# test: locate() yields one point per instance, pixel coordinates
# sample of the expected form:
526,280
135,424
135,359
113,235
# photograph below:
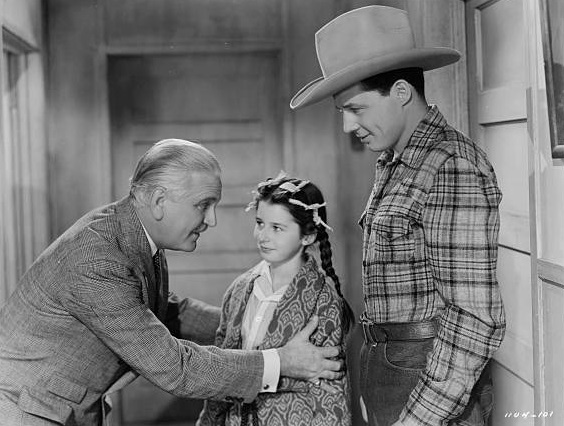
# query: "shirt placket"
384,168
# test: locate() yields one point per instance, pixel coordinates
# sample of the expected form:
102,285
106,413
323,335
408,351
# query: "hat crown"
366,42
360,35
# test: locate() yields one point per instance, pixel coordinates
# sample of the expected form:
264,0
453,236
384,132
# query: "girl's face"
278,236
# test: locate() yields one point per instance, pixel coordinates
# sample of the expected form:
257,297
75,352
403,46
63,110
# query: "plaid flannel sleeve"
461,223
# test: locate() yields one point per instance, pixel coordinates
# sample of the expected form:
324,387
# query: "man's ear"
402,90
309,239
156,203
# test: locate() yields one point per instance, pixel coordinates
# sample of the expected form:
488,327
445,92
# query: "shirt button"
265,387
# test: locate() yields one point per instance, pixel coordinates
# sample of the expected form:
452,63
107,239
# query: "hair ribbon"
315,207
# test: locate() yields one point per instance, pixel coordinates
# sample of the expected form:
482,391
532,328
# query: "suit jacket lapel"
135,244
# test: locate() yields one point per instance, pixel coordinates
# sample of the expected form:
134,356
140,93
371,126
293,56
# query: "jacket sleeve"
192,319
105,294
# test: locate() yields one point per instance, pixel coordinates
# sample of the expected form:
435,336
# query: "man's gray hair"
169,164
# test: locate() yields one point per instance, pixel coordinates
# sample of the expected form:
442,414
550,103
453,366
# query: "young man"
433,315
94,310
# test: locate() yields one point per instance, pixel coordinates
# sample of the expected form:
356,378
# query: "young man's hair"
382,83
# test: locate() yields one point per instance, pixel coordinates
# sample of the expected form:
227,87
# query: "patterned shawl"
297,402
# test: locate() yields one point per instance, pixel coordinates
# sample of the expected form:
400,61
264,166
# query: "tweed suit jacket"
296,402
83,316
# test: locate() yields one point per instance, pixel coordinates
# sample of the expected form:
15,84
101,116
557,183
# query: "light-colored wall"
547,181
313,150
24,174
77,123
24,17
530,391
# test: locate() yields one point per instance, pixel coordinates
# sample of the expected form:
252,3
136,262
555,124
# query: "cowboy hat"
365,42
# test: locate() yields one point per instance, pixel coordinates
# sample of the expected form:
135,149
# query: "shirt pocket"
393,239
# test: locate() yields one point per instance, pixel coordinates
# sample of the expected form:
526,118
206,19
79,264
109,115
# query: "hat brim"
425,58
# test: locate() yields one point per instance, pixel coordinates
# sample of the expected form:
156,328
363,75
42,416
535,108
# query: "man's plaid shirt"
430,250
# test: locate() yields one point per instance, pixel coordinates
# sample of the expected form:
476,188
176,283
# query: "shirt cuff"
271,373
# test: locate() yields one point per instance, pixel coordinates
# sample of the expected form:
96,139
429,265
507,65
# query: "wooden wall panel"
77,126
24,17
173,22
440,23
553,320
515,353
503,141
24,215
498,121
547,181
516,399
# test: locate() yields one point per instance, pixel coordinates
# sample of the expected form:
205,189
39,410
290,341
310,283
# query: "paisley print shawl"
297,402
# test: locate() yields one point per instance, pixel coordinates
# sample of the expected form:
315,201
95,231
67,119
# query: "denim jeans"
389,372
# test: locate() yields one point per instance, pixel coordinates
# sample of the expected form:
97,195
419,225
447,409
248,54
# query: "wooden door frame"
541,270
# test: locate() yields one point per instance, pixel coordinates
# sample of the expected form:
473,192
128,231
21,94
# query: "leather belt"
398,331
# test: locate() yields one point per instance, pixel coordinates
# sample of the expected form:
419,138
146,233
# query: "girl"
266,306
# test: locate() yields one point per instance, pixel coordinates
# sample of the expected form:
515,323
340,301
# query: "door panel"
498,121
227,102
505,142
498,113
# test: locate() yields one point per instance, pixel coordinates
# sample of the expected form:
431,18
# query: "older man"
94,309
433,314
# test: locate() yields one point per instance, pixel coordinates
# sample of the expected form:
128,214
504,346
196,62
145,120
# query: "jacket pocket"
66,389
42,405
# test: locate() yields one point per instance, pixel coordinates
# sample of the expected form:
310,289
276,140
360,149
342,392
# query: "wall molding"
548,270
196,46
521,367
14,43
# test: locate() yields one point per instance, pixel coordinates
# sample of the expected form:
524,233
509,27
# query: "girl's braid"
326,255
